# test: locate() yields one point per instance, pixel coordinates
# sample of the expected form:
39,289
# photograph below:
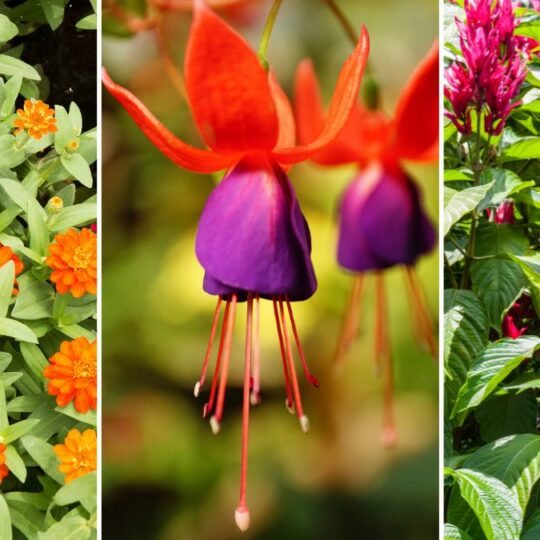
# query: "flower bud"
54,205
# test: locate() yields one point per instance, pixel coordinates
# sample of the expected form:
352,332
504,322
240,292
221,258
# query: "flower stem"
342,18
267,32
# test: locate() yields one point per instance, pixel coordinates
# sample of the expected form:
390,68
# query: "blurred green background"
165,476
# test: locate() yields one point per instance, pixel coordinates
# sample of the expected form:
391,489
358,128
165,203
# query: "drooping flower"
4,471
72,374
519,318
73,259
78,454
6,255
253,240
504,213
36,118
381,219
489,77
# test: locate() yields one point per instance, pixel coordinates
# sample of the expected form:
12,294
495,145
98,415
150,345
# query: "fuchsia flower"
489,77
253,240
504,213
382,221
517,320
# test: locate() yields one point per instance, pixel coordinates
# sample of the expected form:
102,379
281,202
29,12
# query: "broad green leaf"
76,491
43,454
15,464
77,166
525,148
54,12
493,503
10,154
89,418
21,196
507,414
497,282
17,330
70,528
5,520
34,359
491,367
88,23
14,66
461,203
8,31
530,265
466,330
7,278
451,532
17,430
499,239
72,216
25,518
524,382
34,301
531,530
504,184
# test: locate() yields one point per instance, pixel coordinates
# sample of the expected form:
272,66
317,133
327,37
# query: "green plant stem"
267,32
453,280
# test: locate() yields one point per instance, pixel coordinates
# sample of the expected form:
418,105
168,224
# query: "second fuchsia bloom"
253,240
381,220
492,70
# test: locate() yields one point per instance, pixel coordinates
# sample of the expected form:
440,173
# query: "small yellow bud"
54,205
73,145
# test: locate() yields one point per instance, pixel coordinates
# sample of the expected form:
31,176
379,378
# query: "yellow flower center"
73,145
84,367
81,259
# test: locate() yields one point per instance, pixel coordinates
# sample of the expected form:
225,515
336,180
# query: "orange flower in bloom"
72,374
37,118
78,454
73,258
4,471
6,255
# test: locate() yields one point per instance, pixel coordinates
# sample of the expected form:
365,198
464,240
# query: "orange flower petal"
417,114
342,102
188,157
227,87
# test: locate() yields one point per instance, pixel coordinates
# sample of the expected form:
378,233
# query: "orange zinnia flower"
73,258
78,454
72,374
6,255
4,471
37,118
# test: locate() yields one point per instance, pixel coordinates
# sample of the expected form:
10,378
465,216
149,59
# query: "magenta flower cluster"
488,78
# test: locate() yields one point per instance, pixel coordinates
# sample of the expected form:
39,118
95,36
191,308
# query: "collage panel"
213,253
492,269
48,270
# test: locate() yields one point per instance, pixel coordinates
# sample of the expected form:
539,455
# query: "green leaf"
530,265
70,528
524,382
17,330
78,490
15,464
531,530
504,184
8,31
35,360
73,216
7,277
497,282
43,454
12,88
7,216
39,235
14,66
493,503
491,367
54,12
499,239
507,414
34,301
88,23
5,520
525,148
89,418
451,532
77,166
21,196
17,430
466,330
460,203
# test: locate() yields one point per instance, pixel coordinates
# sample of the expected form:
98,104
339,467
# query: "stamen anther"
215,425
304,423
197,389
242,518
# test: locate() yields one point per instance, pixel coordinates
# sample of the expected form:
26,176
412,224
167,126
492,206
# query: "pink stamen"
200,382
256,387
304,421
289,400
215,420
385,362
309,376
207,409
424,321
242,511
351,319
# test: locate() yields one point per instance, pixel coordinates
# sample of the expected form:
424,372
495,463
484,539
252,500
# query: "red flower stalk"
382,222
253,240
489,77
